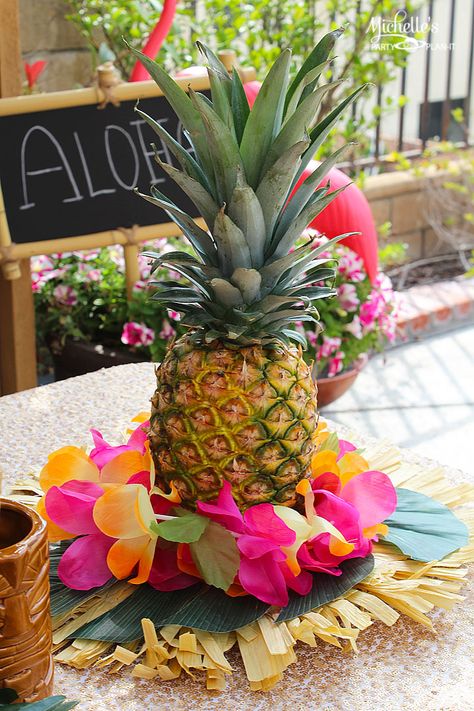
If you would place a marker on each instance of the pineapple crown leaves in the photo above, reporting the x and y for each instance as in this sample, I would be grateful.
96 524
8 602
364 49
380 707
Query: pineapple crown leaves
248 281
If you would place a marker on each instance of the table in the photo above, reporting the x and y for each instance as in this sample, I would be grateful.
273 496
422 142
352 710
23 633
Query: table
404 668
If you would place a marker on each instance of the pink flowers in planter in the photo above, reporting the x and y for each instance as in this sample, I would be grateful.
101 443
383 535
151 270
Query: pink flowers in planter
137 334
347 294
123 526
65 295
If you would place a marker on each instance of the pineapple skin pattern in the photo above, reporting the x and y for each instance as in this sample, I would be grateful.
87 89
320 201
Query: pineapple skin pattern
235 400
245 415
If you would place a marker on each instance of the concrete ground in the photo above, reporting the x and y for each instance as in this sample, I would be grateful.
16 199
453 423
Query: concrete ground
420 396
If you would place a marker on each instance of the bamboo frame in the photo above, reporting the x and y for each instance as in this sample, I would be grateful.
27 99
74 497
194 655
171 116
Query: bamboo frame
84 97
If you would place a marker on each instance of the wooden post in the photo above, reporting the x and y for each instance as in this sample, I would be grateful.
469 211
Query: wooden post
17 321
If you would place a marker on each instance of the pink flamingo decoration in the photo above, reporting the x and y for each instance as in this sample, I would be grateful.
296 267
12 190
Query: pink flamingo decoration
156 39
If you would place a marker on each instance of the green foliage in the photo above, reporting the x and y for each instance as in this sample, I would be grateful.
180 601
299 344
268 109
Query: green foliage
52 703
423 528
327 588
216 556
186 529
103 24
393 255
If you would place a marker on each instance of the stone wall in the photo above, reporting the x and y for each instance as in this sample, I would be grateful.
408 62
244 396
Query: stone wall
47 35
400 198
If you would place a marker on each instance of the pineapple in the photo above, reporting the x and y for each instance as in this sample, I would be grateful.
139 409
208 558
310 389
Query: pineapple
235 400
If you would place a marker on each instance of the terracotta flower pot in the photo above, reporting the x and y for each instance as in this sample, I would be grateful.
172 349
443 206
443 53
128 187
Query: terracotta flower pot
331 389
26 663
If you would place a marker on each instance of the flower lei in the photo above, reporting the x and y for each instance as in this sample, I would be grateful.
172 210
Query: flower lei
122 525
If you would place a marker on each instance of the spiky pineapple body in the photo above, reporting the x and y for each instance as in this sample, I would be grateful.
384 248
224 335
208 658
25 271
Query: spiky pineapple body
245 415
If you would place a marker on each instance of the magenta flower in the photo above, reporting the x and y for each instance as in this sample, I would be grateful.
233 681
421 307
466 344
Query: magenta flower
137 334
65 295
336 364
261 535
84 564
356 507
104 452
329 346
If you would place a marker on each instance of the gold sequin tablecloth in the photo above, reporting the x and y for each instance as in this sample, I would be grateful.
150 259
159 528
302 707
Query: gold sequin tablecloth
403 668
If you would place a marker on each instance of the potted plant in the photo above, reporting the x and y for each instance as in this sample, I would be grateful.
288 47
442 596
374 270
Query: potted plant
84 320
359 320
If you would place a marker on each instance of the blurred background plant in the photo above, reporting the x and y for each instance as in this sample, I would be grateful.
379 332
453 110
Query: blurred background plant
82 296
258 31
360 320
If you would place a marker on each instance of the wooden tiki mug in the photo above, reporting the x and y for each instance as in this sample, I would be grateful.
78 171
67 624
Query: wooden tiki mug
26 663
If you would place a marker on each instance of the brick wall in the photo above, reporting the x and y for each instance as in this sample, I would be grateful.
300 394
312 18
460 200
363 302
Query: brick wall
400 198
46 34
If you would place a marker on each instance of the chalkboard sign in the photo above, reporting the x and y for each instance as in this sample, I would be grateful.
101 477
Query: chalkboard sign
71 171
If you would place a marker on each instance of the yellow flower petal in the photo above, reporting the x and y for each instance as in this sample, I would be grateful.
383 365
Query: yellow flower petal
340 548
301 527
325 461
350 465
125 465
65 464
124 511
379 529
319 525
125 555
55 533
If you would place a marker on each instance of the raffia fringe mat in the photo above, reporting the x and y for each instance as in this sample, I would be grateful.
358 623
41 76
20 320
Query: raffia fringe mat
396 585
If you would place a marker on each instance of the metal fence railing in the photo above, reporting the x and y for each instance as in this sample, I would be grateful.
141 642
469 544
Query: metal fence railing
437 79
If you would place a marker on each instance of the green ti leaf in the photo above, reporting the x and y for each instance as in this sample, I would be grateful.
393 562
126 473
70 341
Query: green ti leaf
199 607
52 703
185 529
327 588
423 528
216 556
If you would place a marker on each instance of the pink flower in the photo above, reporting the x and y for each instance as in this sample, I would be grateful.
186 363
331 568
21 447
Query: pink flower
312 338
41 263
351 266
140 285
356 507
261 534
167 331
336 364
329 346
84 564
354 327
65 295
348 298
137 334
174 315
88 256
104 452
